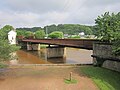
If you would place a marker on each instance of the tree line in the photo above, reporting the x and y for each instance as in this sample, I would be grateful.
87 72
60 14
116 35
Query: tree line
71 29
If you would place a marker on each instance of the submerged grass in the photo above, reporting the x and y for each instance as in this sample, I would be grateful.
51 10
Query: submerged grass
105 79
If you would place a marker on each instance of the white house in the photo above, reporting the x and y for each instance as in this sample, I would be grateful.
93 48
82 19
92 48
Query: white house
82 34
12 37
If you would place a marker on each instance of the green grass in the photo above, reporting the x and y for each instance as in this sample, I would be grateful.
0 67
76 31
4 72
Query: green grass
73 81
43 46
3 65
105 79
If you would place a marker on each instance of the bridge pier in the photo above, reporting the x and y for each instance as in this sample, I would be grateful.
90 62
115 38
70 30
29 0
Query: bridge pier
23 45
55 52
33 46
51 51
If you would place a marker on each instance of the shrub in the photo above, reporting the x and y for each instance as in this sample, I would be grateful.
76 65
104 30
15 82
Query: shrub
56 34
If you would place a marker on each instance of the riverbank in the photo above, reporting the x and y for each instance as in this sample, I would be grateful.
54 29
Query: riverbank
36 77
105 79
43 78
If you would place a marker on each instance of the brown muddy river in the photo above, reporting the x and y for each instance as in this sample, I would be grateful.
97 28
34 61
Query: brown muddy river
72 56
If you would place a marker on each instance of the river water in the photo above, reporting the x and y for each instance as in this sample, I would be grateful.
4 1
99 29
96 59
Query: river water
72 56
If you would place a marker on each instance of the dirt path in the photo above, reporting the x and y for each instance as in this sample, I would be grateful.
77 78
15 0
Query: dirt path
43 78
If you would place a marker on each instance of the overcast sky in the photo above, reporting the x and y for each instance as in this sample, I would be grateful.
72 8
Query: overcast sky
31 13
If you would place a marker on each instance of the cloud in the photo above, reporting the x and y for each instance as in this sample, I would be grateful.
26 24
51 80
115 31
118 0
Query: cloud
22 19
100 3
28 13
31 19
36 6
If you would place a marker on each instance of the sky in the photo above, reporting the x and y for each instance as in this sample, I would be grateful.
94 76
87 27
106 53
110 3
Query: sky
39 13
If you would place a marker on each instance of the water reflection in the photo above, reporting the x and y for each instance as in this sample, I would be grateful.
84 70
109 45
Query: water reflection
79 56
72 56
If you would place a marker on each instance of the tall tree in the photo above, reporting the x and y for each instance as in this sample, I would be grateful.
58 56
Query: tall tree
108 26
21 32
40 34
5 48
56 34
28 34
6 29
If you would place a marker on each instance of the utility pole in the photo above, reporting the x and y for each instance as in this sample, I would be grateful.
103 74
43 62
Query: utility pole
46 32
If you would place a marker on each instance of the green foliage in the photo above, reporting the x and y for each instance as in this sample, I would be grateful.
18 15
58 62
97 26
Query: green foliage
34 29
7 28
51 28
71 29
39 34
5 48
87 36
56 34
43 46
108 25
24 33
3 65
116 45
116 48
4 31
105 79
20 32
75 37
73 81
3 35
28 34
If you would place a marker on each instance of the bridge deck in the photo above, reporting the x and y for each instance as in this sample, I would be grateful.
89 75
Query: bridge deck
78 43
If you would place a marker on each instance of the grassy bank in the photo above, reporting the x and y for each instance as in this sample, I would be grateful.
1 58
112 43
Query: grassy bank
105 79
43 45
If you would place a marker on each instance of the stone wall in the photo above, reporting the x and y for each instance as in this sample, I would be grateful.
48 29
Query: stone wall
113 65
105 51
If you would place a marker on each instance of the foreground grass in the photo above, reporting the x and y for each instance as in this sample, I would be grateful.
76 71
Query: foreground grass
105 79
73 81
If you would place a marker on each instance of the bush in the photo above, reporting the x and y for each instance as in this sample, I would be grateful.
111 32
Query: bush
28 34
75 37
56 34
39 34
3 65
116 45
